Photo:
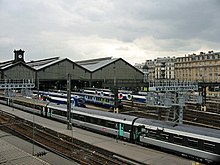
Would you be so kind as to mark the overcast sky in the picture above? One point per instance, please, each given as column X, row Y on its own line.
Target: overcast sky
column 135, row 30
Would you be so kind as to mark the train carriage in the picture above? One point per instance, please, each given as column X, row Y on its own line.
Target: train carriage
column 61, row 98
column 189, row 140
column 107, row 123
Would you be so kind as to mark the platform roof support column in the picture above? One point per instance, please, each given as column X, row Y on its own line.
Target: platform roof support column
column 69, row 124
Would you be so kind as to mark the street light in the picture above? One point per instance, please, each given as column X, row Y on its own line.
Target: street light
column 115, row 93
column 33, row 136
column 69, row 124
column 203, row 94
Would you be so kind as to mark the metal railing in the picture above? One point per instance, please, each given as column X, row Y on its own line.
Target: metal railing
column 173, row 86
column 16, row 84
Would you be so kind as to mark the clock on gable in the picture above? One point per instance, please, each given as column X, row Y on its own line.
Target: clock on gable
column 20, row 56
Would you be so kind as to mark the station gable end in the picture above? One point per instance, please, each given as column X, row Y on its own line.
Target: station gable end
column 60, row 69
column 18, row 71
column 119, row 69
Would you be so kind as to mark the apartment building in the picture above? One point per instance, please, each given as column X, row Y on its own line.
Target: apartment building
column 151, row 69
column 204, row 67
column 158, row 69
column 164, row 68
column 161, row 69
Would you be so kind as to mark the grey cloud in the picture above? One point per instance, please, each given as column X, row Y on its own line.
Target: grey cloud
column 45, row 27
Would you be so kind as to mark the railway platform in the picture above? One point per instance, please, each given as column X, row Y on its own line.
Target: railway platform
column 10, row 154
column 17, row 151
column 132, row 151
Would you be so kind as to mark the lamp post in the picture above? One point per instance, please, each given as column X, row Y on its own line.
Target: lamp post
column 145, row 70
column 33, row 136
column 203, row 93
column 115, row 93
column 69, row 125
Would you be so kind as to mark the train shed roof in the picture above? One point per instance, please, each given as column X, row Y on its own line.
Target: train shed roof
column 39, row 64
column 5, row 64
column 94, row 64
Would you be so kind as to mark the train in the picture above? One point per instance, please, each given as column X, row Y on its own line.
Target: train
column 79, row 99
column 124, row 95
column 61, row 98
column 199, row 143
column 99, row 97
column 127, row 96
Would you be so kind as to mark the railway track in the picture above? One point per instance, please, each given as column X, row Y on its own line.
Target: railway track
column 208, row 119
column 192, row 114
column 69, row 147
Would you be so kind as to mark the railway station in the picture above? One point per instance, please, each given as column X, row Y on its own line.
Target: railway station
column 111, row 97
column 109, row 82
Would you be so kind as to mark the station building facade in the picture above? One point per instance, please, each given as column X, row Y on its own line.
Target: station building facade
column 51, row 73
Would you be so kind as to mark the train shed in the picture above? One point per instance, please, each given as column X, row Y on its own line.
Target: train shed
column 108, row 72
column 51, row 73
